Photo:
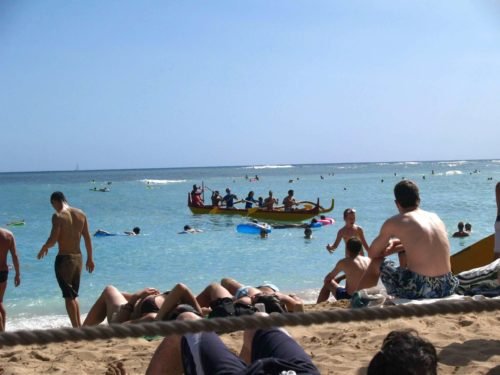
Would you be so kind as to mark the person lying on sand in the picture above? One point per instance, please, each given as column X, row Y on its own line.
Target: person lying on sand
column 290, row 301
column 264, row 351
column 421, row 239
column 353, row 266
column 144, row 305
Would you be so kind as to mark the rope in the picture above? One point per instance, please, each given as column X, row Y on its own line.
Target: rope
column 224, row 325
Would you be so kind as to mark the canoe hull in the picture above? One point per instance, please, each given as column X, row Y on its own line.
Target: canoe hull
column 255, row 213
column 476, row 255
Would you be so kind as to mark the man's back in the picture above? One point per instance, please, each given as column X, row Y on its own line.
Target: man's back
column 354, row 268
column 71, row 222
column 6, row 238
column 425, row 240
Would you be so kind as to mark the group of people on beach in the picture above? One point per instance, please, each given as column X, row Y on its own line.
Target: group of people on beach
column 229, row 200
column 418, row 237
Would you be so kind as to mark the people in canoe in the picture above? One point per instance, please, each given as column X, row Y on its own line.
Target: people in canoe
column 216, row 198
column 229, row 199
column 196, row 196
column 250, row 200
column 289, row 202
column 270, row 201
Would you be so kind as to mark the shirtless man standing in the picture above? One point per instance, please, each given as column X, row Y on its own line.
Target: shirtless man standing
column 7, row 243
column 350, row 229
column 69, row 224
column 353, row 266
column 421, row 236
column 497, row 223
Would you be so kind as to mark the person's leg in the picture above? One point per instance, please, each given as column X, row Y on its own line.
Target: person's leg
column 3, row 313
column 324, row 294
column 371, row 275
column 211, row 293
column 231, row 285
column 205, row 354
column 167, row 358
column 108, row 303
column 278, row 351
column 73, row 311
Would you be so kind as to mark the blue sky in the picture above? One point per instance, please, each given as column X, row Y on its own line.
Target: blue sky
column 129, row 84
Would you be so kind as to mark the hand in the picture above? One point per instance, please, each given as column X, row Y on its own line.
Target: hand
column 329, row 248
column 90, row 265
column 43, row 252
column 148, row 292
column 17, row 280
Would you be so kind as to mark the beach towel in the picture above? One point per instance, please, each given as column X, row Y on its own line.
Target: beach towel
column 482, row 280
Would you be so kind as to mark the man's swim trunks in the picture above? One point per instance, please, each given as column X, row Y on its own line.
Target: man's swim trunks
column 4, row 276
column 403, row 283
column 341, row 293
column 68, row 269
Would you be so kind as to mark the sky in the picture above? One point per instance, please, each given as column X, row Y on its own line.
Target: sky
column 152, row 84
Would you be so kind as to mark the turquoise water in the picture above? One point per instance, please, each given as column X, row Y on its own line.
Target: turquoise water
column 161, row 257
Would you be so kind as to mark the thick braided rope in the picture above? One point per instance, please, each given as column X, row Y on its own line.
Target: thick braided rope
column 222, row 325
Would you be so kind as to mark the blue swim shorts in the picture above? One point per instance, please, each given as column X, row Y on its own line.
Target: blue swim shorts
column 341, row 293
column 403, row 283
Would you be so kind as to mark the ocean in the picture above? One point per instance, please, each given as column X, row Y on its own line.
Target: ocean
column 156, row 201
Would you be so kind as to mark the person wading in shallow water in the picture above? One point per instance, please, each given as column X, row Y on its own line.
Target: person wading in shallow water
column 69, row 224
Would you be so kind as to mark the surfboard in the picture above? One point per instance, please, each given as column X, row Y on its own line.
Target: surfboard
column 476, row 255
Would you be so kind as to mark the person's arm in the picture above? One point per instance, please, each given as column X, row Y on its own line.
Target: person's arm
column 88, row 245
column 331, row 248
column 333, row 273
column 132, row 307
column 54, row 236
column 379, row 244
column 179, row 294
column 362, row 238
column 15, row 260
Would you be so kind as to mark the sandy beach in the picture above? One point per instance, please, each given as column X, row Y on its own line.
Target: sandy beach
column 466, row 344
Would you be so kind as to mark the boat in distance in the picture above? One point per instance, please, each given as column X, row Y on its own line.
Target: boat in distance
column 262, row 213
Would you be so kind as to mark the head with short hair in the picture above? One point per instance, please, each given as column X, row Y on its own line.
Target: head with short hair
column 250, row 193
column 460, row 226
column 187, row 227
column 348, row 211
column 58, row 196
column 354, row 245
column 136, row 230
column 407, row 194
column 308, row 233
column 270, row 193
column 404, row 353
column 290, row 192
column 468, row 227
column 228, row 190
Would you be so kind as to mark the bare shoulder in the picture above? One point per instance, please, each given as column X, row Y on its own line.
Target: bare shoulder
column 76, row 211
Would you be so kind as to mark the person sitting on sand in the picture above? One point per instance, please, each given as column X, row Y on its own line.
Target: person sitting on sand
column 291, row 302
column 144, row 305
column 461, row 232
column 353, row 266
column 135, row 232
column 189, row 230
column 421, row 238
column 350, row 229
column 264, row 351
column 404, row 352
column 270, row 201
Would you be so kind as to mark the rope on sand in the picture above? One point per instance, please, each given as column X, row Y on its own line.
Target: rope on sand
column 224, row 325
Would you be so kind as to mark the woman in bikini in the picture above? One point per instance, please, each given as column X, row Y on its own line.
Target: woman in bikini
column 144, row 305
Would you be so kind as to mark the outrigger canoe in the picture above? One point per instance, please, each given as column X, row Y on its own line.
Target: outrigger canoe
column 262, row 213
column 476, row 255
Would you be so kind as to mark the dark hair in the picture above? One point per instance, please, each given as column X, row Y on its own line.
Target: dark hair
column 290, row 192
column 460, row 225
column 187, row 227
column 58, row 196
column 308, row 231
column 136, row 230
column 354, row 245
column 404, row 353
column 407, row 194
column 348, row 211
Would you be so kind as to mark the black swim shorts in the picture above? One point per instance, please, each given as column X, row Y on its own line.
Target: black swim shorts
column 3, row 276
column 68, row 269
column 223, row 307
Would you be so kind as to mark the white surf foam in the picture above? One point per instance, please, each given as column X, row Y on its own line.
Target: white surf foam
column 268, row 166
column 148, row 181
column 453, row 173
